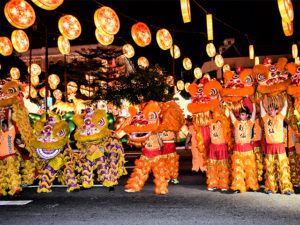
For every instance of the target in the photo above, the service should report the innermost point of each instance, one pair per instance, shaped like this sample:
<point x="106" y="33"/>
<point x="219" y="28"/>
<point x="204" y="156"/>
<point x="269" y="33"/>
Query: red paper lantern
<point x="103" y="38"/>
<point x="63" y="44"/>
<point x="48" y="4"/>
<point x="143" y="62"/>
<point x="15" y="73"/>
<point x="141" y="34"/>
<point x="5" y="46"/>
<point x="19" y="13"/>
<point x="164" y="39"/>
<point x="128" y="50"/>
<point x="34" y="70"/>
<point x="20" y="41"/>
<point x="69" y="26"/>
<point x="107" y="19"/>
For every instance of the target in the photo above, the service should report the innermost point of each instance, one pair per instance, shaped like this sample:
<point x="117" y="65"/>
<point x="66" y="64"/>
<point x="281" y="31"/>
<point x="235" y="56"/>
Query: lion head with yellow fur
<point x="92" y="127"/>
<point x="10" y="93"/>
<point x="50" y="136"/>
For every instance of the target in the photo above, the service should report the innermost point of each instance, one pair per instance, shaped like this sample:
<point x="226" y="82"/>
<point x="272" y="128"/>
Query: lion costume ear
<point x="227" y="75"/>
<point x="192" y="89"/>
<point x="245" y="73"/>
<point x="260" y="69"/>
<point x="281" y="63"/>
<point x="132" y="111"/>
<point x="291" y="68"/>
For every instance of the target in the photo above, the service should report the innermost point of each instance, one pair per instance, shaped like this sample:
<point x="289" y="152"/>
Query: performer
<point x="276" y="161"/>
<point x="244" y="170"/>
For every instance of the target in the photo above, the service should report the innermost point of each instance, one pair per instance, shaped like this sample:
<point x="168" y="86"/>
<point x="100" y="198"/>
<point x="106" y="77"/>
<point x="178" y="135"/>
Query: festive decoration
<point x="63" y="44"/>
<point x="35" y="80"/>
<point x="219" y="60"/>
<point x="42" y="92"/>
<point x="186" y="86"/>
<point x="294" y="51"/>
<point x="185" y="10"/>
<point x="297" y="60"/>
<point x="72" y="87"/>
<point x="33" y="92"/>
<point x="164" y="39"/>
<point x="209" y="25"/>
<point x="103" y="38"/>
<point x="197" y="73"/>
<point x="286" y="10"/>
<point x="256" y="60"/>
<point x="69" y="26"/>
<point x="210" y="49"/>
<point x="141" y="34"/>
<point x="34" y="69"/>
<point x="288" y="28"/>
<point x="143" y="62"/>
<point x="187" y="63"/>
<point x="53" y="81"/>
<point x="89" y="78"/>
<point x="170" y="80"/>
<point x="6" y="47"/>
<point x="128" y="50"/>
<point x="48" y="4"/>
<point x="180" y="85"/>
<point x="57" y="94"/>
<point x="251" y="52"/>
<point x="20" y="41"/>
<point x="107" y="20"/>
<point x="176" y="51"/>
<point x="226" y="67"/>
<point x="19" y="13"/>
<point x="15" y="73"/>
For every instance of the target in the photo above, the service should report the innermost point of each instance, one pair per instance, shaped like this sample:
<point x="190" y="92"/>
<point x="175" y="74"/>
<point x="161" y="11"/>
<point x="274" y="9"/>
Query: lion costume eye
<point x="272" y="69"/>
<point x="61" y="133"/>
<point x="12" y="90"/>
<point x="249" y="79"/>
<point x="260" y="77"/>
<point x="213" y="92"/>
<point x="298" y="69"/>
<point x="101" y="122"/>
<point x="152" y="116"/>
<point x="235" y="76"/>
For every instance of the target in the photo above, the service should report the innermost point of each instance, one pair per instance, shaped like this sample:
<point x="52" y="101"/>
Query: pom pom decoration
<point x="141" y="34"/>
<point x="20" y="41"/>
<point x="6" y="47"/>
<point x="63" y="44"/>
<point x="106" y="19"/>
<point x="164" y="39"/>
<point x="69" y="26"/>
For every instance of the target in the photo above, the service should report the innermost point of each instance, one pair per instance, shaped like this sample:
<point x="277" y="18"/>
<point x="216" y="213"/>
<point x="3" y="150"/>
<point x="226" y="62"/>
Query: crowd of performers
<point x="239" y="132"/>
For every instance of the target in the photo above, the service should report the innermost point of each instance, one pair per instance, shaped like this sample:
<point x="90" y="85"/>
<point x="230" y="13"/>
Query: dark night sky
<point x="260" y="19"/>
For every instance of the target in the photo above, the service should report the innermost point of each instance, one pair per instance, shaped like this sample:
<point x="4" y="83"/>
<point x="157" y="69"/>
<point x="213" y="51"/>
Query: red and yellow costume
<point x="244" y="171"/>
<point x="257" y="148"/>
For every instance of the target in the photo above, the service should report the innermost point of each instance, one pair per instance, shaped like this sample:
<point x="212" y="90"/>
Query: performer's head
<point x="244" y="113"/>
<point x="272" y="110"/>
<point x="4" y="125"/>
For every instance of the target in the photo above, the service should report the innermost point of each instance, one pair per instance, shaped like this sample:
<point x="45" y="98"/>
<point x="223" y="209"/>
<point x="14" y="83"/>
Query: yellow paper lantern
<point x="5" y="46"/>
<point x="180" y="85"/>
<point x="186" y="86"/>
<point x="57" y="94"/>
<point x="209" y="25"/>
<point x="128" y="51"/>
<point x="42" y="92"/>
<point x="69" y="26"/>
<point x="210" y="49"/>
<point x="34" y="70"/>
<point x="251" y="52"/>
<point x="297" y="60"/>
<point x="219" y="60"/>
<point x="176" y="51"/>
<point x="15" y="73"/>
<point x="35" y="80"/>
<point x="286" y="10"/>
<point x="63" y="44"/>
<point x="53" y="81"/>
<point x="185" y="10"/>
<point x="48" y="4"/>
<point x="226" y="67"/>
<point x="288" y="28"/>
<point x="143" y="62"/>
<point x="164" y="39"/>
<point x="103" y="38"/>
<point x="20" y="41"/>
<point x="141" y="34"/>
<point x="19" y="13"/>
<point x="72" y="87"/>
<point x="187" y="63"/>
<point x="107" y="19"/>
<point x="256" y="60"/>
<point x="197" y="73"/>
<point x="294" y="51"/>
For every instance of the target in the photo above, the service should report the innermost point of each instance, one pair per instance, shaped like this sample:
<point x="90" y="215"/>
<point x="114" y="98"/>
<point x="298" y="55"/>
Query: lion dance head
<point x="294" y="87"/>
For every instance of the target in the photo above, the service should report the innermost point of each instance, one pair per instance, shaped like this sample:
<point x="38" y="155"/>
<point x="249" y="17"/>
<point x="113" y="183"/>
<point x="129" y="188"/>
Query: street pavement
<point x="186" y="203"/>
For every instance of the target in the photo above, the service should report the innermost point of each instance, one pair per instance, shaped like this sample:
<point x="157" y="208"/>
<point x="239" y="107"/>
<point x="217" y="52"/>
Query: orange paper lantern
<point x="35" y="80"/>
<point x="72" y="87"/>
<point x="107" y="19"/>
<point x="286" y="10"/>
<point x="15" y="73"/>
<point x="57" y="94"/>
<point x="288" y="28"/>
<point x="180" y="85"/>
<point x="103" y="38"/>
<point x="19" y="13"/>
<point x="176" y="51"/>
<point x="143" y="62"/>
<point x="42" y="92"/>
<point x="164" y="39"/>
<point x="141" y="34"/>
<point x="294" y="51"/>
<point x="53" y="81"/>
<point x="185" y="10"/>
<point x="128" y="50"/>
<point x="186" y="86"/>
<point x="226" y="67"/>
<point x="209" y="25"/>
<point x="210" y="49"/>
<point x="63" y="44"/>
<point x="197" y="73"/>
<point x="219" y="60"/>
<point x="33" y="92"/>
<point x="5" y="46"/>
<point x="34" y="70"/>
<point x="48" y="4"/>
<point x="187" y="63"/>
<point x="69" y="26"/>
<point x="20" y="41"/>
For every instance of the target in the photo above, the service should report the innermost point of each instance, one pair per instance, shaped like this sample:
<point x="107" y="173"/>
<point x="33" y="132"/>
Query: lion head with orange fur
<point x="294" y="87"/>
<point x="236" y="86"/>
